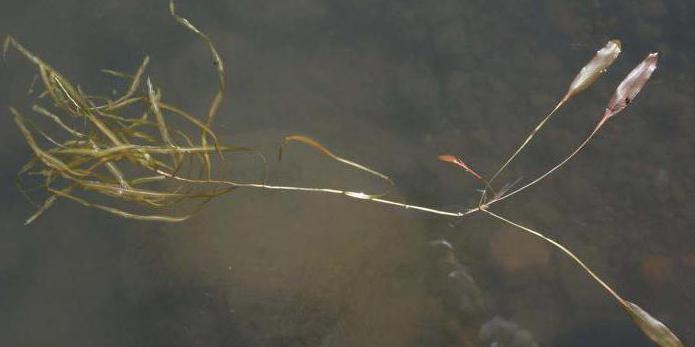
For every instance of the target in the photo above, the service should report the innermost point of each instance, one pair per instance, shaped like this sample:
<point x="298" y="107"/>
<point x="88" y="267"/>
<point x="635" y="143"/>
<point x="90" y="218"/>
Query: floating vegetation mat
<point x="139" y="157"/>
<point x="121" y="148"/>
<point x="125" y="148"/>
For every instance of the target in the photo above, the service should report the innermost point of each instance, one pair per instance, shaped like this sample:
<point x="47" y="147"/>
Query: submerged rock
<point x="499" y="332"/>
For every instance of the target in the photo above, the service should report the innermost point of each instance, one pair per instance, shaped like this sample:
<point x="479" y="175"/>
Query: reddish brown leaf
<point x="458" y="162"/>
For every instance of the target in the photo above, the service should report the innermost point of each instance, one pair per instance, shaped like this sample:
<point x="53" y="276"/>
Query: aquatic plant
<point x="126" y="151"/>
<point x="626" y="91"/>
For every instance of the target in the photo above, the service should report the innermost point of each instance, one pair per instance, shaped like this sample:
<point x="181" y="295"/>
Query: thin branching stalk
<point x="145" y="169"/>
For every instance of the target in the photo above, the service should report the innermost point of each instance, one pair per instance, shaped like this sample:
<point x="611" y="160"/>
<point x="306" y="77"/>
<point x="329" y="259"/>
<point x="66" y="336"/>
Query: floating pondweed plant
<point x="126" y="151"/>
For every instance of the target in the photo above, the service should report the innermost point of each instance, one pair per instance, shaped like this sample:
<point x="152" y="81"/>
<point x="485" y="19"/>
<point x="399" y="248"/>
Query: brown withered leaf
<point x="315" y="144"/>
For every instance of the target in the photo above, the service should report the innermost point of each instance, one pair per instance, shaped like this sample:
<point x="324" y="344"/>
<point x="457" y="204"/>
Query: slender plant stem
<point x="378" y="199"/>
<point x="528" y="139"/>
<point x="555" y="168"/>
<point x="350" y="194"/>
<point x="564" y="250"/>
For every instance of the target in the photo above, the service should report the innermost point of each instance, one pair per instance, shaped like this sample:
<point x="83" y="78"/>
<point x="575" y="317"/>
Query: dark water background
<point x="390" y="83"/>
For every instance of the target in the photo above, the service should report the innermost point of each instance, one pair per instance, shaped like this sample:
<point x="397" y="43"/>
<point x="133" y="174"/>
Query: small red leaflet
<point x="458" y="162"/>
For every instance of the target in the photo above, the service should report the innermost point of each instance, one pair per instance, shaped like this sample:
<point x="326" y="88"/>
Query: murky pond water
<point x="392" y="84"/>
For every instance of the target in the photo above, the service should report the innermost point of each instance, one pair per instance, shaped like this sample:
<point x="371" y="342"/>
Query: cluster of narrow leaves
<point x="626" y="91"/>
<point x="121" y="148"/>
<point x="126" y="149"/>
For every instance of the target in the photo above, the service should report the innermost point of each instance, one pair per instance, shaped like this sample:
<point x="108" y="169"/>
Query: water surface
<point x="392" y="84"/>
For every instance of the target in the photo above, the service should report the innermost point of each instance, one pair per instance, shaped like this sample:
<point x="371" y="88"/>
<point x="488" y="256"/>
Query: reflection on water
<point x="391" y="83"/>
